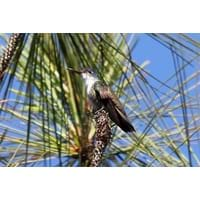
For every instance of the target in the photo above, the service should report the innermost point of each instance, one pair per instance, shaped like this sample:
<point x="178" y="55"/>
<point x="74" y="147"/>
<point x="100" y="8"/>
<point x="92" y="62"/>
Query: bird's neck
<point x="89" y="82"/>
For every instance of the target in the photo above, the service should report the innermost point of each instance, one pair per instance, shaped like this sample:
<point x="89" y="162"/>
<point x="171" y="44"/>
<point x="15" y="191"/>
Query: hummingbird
<point x="100" y="95"/>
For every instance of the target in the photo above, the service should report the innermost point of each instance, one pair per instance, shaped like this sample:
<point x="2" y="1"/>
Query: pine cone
<point x="102" y="137"/>
<point x="8" y="53"/>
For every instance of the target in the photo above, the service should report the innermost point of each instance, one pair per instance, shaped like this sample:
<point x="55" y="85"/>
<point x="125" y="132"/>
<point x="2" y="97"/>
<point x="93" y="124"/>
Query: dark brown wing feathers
<point x="114" y="108"/>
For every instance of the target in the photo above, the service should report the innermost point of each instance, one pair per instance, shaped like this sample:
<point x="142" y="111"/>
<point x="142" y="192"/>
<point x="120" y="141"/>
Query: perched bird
<point x="100" y="95"/>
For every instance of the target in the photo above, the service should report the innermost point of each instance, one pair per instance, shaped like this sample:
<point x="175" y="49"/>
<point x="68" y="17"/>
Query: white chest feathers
<point x="89" y="83"/>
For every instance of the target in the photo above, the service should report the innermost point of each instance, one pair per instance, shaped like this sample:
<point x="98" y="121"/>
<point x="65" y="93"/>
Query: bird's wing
<point x="113" y="106"/>
<point x="106" y="93"/>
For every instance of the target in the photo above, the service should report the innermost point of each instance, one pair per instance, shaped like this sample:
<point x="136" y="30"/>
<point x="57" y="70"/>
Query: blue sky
<point x="162" y="67"/>
<point x="158" y="56"/>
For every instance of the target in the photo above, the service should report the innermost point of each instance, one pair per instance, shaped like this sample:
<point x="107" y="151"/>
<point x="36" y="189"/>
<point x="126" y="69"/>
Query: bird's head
<point x="88" y="73"/>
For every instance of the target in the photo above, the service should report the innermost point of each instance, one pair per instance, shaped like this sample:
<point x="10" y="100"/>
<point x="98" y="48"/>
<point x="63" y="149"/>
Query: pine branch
<point x="8" y="53"/>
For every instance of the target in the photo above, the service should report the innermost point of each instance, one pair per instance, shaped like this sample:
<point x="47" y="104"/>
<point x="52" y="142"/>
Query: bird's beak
<point x="73" y="70"/>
